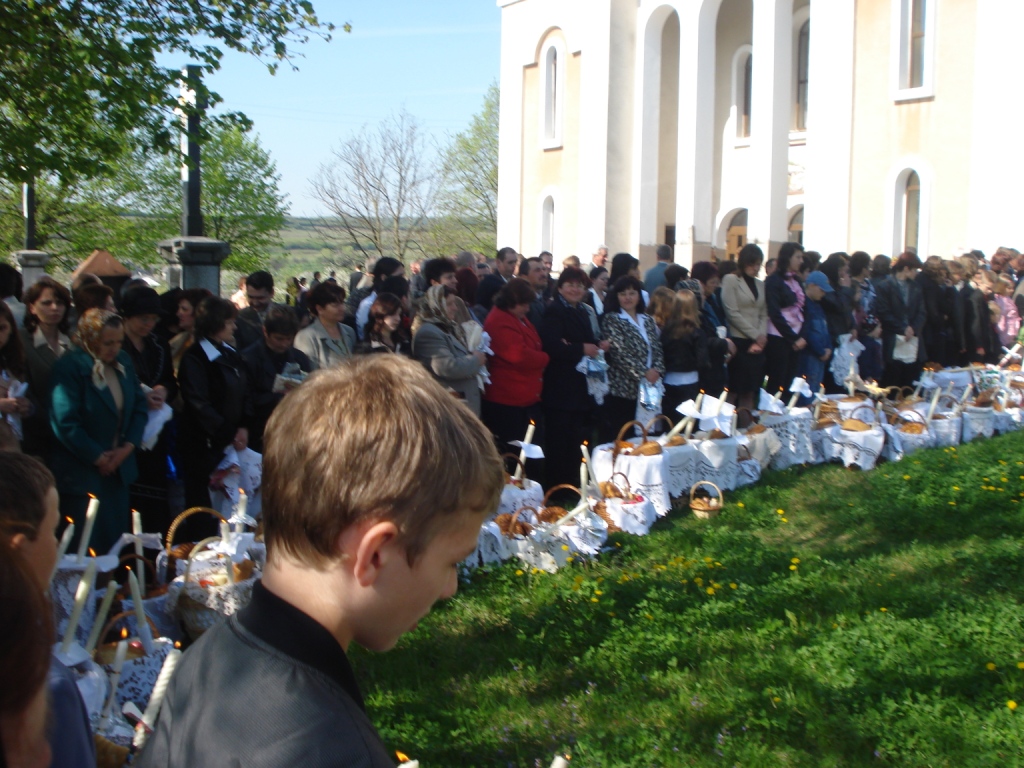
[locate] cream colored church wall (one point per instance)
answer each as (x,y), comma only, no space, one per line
(931,135)
(550,171)
(731,175)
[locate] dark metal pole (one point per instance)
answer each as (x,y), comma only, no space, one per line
(29,209)
(191,173)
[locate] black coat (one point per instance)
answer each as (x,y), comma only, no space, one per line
(262,367)
(153,365)
(489,285)
(778,296)
(685,353)
(838,308)
(895,314)
(216,399)
(563,333)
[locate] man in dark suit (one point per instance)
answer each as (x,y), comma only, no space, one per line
(259,289)
(532,271)
(505,267)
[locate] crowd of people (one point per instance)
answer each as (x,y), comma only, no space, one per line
(137,398)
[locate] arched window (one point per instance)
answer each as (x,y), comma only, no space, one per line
(912,212)
(742,93)
(913,48)
(552,88)
(547,224)
(803,50)
(796,226)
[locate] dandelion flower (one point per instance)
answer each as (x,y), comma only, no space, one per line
(710,590)
(598,592)
(740,504)
(906,477)
(795,561)
(952,503)
(780,511)
(784,520)
(1011,705)
(565,547)
(593,599)
(776,699)
(732,585)
(519,572)
(649,617)
(884,610)
(1020,665)
(956,487)
(991,667)
(792,567)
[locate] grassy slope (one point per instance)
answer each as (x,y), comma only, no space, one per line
(852,629)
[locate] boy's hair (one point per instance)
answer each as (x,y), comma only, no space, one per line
(24,483)
(374,438)
(281,320)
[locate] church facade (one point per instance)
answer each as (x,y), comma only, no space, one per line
(875,125)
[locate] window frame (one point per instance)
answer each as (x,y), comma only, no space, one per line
(553,68)
(903,34)
(743,93)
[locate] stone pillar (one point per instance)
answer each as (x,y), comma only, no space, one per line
(770,120)
(33,265)
(196,259)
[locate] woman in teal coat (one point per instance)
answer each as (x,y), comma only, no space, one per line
(98,413)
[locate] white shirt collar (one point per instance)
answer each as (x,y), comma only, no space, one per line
(212,353)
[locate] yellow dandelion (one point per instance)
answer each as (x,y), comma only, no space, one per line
(710,590)
(740,504)
(519,572)
(792,567)
(568,559)
(956,487)
(709,560)
(776,699)
(718,564)
(649,617)
(732,585)
(780,511)
(565,547)
(1020,665)
(1003,480)
(784,520)
(991,667)
(1011,705)
(906,477)
(795,561)
(884,610)
(598,592)
(618,543)
(593,599)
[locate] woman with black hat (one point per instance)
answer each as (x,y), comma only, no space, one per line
(153,363)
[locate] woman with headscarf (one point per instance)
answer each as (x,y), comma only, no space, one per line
(98,414)
(439,342)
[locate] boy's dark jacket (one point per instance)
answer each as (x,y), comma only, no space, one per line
(815,329)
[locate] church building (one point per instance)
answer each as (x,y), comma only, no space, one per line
(874,125)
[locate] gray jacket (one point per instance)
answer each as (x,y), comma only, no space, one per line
(321,348)
(268,688)
(451,363)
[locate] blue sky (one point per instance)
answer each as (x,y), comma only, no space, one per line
(435,60)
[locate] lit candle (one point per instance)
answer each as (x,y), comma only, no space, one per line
(690,422)
(90,520)
(777,396)
(559,762)
(243,505)
(586,452)
(139,562)
(101,617)
(225,532)
(935,403)
(700,399)
(584,478)
(721,402)
(115,680)
(522,454)
(405,762)
(62,547)
(81,595)
(792,401)
(853,368)
(145,633)
(157,697)
(677,428)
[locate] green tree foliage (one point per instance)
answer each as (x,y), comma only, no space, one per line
(79,79)
(467,202)
(129,211)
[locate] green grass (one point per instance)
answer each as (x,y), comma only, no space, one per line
(855,628)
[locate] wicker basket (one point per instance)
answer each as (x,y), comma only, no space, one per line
(519,463)
(647,446)
(549,514)
(706,507)
(198,617)
(183,551)
(612,490)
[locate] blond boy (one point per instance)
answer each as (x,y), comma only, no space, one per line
(376,482)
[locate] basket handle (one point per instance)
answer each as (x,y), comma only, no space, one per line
(693,489)
(859,408)
(514,518)
(903,392)
(126,559)
(195,550)
(515,457)
(554,488)
(655,420)
(624,478)
(116,618)
(622,432)
(750,413)
(744,448)
(911,416)
(184,516)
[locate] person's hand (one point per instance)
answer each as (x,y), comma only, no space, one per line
(761,341)
(604,346)
(156,398)
(480,357)
(908,332)
(876,333)
(9,405)
(117,458)
(980,351)
(103,463)
(755,349)
(652,375)
(827,356)
(845,282)
(590,350)
(731,347)
(799,344)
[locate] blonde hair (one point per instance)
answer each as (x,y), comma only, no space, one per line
(662,306)
(675,313)
(376,438)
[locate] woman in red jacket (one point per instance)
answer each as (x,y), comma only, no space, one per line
(512,399)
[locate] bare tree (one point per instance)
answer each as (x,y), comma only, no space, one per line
(380,187)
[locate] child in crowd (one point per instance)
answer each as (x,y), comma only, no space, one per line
(240,469)
(366,521)
(28,518)
(815,356)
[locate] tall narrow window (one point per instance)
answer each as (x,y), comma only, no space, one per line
(802,67)
(547,224)
(554,68)
(551,93)
(912,212)
(746,97)
(916,44)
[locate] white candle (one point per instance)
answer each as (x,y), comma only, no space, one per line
(817,410)
(145,633)
(967,394)
(101,617)
(156,699)
(586,452)
(115,680)
(559,762)
(935,402)
(700,399)
(584,478)
(777,396)
(229,570)
(735,423)
(851,387)
(139,562)
(522,453)
(243,506)
(90,520)
(677,428)
(62,547)
(721,402)
(690,422)
(410,764)
(225,532)
(81,595)
(792,401)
